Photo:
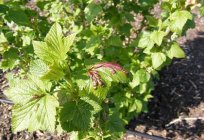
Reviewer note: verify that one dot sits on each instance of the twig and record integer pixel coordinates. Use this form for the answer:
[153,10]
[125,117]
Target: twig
[193,84]
[173,91]
[6,101]
[186,119]
[151,137]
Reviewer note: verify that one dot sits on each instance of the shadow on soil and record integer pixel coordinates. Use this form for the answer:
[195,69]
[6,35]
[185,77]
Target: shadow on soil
[179,91]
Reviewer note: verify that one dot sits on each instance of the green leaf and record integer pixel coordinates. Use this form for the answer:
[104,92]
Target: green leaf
[100,77]
[52,72]
[38,68]
[115,41]
[2,38]
[53,53]
[175,51]
[114,123]
[120,101]
[202,11]
[145,41]
[18,16]
[56,72]
[158,59]
[55,47]
[136,106]
[141,76]
[92,10]
[10,59]
[157,37]
[94,104]
[57,41]
[45,52]
[26,40]
[166,6]
[147,97]
[135,81]
[189,24]
[54,38]
[37,114]
[178,19]
[139,106]
[153,22]
[34,108]
[119,76]
[125,29]
[11,79]
[92,44]
[100,92]
[68,41]
[76,116]
[3,8]
[23,90]
[142,88]
[144,76]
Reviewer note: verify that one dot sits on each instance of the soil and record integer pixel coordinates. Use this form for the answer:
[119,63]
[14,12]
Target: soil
[178,95]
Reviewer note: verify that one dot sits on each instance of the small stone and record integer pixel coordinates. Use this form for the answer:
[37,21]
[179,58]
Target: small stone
[199,66]
[150,133]
[27,136]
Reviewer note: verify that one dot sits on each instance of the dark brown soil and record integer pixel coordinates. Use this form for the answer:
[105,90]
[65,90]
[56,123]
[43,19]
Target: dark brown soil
[179,94]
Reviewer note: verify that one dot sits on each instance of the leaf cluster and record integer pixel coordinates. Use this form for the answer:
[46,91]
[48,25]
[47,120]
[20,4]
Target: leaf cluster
[86,66]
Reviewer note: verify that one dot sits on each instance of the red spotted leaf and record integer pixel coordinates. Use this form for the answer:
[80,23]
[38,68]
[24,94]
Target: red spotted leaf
[107,71]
